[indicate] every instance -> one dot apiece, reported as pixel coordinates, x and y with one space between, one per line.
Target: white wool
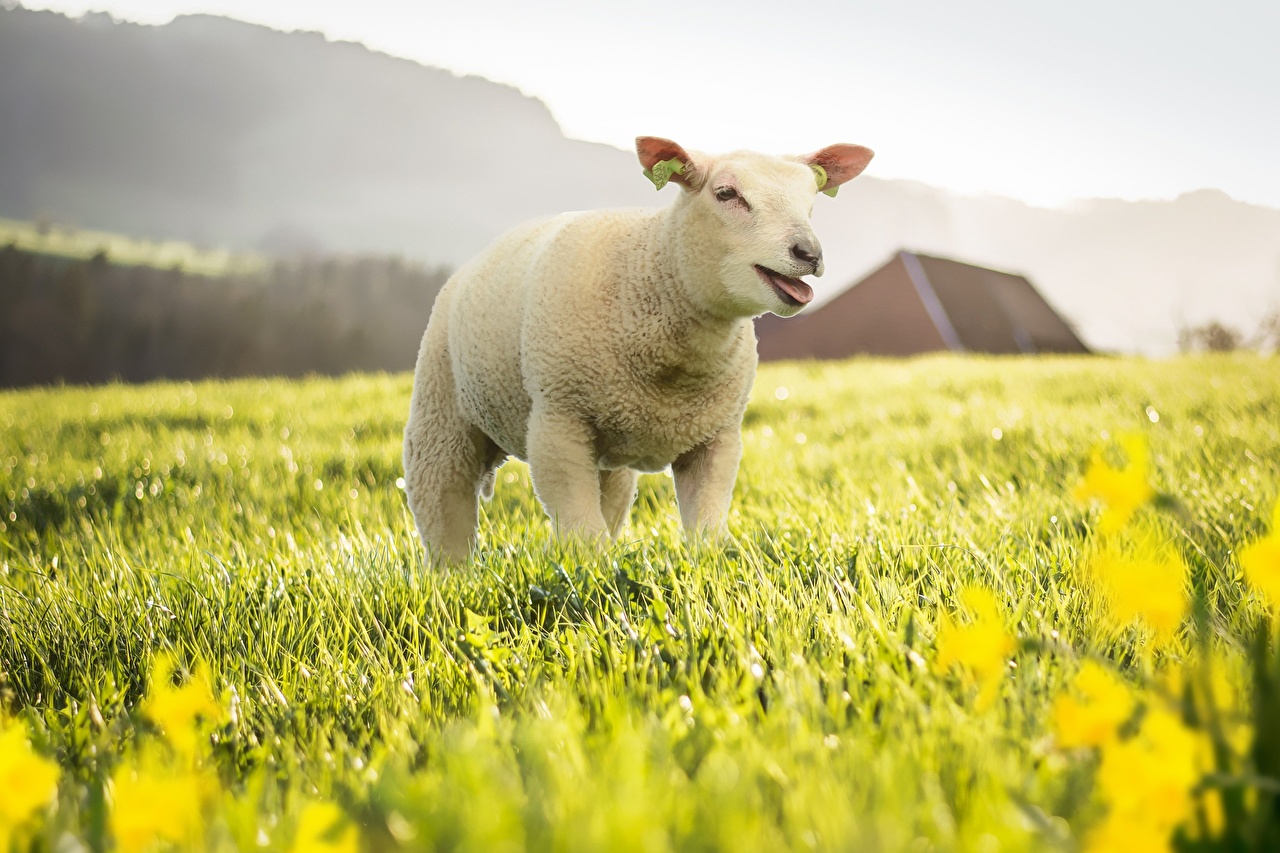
600 344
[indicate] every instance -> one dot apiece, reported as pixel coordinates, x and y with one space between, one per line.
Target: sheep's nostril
802 254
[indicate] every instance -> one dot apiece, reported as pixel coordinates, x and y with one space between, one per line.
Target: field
817 682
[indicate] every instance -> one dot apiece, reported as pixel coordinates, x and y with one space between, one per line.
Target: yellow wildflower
982 648
1147 783
150 804
1123 834
1122 490
28 782
1105 703
1261 560
176 710
322 828
1149 585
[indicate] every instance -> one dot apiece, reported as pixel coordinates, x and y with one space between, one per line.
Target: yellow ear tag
662 172
820 175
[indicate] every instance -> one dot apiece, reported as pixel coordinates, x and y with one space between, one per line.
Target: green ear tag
820 175
662 172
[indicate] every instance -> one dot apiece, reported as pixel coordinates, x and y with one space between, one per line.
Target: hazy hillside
217 131
226 133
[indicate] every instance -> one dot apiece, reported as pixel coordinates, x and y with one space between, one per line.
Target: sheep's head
752 213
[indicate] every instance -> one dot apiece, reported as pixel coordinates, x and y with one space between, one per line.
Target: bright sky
1042 101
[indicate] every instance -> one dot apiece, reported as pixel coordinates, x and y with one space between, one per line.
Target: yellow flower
982 648
1122 490
322 828
1124 834
1105 703
1147 783
150 805
1261 560
1148 584
176 710
28 782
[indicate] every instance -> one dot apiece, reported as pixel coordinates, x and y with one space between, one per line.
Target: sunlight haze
1043 104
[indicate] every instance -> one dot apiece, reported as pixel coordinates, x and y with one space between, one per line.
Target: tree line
1216 336
89 321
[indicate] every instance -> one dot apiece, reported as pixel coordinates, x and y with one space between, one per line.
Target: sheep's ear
664 160
837 164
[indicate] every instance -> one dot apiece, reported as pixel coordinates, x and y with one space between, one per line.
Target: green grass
772 694
82 244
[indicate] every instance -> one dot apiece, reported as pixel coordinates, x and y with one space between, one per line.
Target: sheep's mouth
791 291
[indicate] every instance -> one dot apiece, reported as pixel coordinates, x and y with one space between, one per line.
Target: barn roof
918 303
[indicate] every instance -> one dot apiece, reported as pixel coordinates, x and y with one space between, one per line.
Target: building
916 304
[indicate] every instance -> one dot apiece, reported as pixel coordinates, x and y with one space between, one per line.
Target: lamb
597 345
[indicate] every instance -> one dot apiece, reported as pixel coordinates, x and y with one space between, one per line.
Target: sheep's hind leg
444 472
489 474
445 458
617 493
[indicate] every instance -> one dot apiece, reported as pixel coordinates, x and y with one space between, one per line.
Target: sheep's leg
563 466
489 473
445 458
617 493
704 483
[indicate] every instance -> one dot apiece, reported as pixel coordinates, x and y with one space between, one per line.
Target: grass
772 694
81 244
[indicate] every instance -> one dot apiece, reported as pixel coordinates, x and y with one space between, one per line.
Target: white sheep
600 344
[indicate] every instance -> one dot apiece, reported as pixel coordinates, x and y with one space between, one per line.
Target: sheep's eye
726 193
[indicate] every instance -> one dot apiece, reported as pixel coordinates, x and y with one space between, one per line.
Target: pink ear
841 162
654 149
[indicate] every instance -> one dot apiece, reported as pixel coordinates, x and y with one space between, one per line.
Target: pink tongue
796 289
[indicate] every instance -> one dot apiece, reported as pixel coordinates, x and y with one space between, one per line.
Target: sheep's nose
806 255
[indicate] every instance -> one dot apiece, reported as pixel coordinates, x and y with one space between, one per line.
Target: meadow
217 631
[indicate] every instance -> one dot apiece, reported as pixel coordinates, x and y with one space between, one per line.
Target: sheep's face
762 207
750 216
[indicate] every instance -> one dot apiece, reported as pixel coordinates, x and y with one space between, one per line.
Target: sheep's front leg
564 469
704 483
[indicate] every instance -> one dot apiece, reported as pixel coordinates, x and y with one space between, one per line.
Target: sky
1047 102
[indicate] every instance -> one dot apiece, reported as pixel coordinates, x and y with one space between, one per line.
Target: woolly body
600 344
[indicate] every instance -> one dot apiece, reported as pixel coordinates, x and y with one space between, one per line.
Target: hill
222 133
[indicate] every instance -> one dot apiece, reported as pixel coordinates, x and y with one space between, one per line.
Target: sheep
600 344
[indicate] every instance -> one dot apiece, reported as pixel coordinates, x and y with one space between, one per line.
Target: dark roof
918 303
